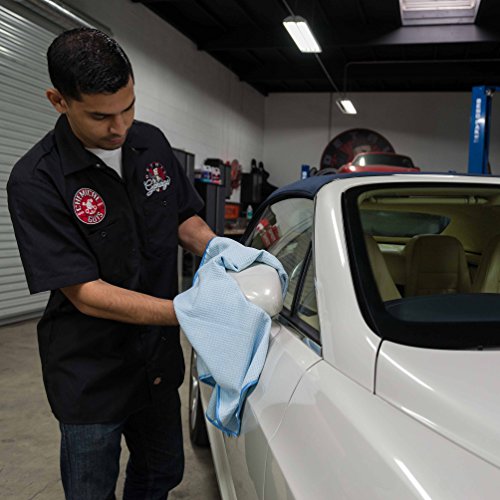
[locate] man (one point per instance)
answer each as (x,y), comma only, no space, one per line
(99,206)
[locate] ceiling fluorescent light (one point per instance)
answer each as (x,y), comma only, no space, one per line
(346,106)
(301,34)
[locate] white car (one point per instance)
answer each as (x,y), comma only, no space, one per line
(382,379)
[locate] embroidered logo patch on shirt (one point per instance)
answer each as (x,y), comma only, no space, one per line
(89,207)
(156,178)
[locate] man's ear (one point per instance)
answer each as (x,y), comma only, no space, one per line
(57,100)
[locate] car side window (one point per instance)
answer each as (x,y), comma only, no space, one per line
(284,230)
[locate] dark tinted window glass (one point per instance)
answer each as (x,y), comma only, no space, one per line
(403,224)
(307,309)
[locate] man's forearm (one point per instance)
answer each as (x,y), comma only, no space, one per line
(194,235)
(102,300)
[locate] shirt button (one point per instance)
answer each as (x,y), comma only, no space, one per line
(164,339)
(104,234)
(157,381)
(164,203)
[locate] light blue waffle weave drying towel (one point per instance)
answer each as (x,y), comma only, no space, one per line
(229,334)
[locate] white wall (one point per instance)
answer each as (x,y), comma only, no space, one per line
(200,105)
(432,128)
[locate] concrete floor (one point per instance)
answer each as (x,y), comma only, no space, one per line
(29,434)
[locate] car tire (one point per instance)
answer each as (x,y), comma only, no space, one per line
(197,424)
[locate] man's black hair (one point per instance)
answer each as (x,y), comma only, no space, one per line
(87,61)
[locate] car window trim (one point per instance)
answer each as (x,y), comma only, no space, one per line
(290,315)
(452,335)
(302,330)
(302,277)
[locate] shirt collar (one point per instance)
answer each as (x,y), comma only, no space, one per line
(75,157)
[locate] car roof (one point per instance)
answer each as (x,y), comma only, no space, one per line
(308,188)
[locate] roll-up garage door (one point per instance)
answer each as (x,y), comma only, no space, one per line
(25,117)
(27,28)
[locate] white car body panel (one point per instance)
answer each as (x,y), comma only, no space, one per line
(406,423)
(354,355)
(348,443)
(244,457)
(221,464)
(455,393)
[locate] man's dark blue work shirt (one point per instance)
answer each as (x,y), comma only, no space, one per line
(75,221)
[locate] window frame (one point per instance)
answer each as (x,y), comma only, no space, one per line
(293,316)
(290,316)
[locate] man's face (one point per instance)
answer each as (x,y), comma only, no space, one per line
(98,120)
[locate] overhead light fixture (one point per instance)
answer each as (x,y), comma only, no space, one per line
(430,12)
(301,34)
(346,106)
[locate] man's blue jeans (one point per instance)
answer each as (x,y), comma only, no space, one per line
(90,454)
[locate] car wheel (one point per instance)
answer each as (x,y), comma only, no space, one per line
(197,424)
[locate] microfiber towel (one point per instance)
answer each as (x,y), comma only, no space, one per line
(229,334)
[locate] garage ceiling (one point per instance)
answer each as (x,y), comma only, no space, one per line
(364,45)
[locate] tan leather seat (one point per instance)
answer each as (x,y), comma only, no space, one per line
(385,284)
(436,264)
(487,279)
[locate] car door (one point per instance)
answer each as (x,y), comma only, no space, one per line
(284,229)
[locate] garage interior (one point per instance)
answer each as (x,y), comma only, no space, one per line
(224,80)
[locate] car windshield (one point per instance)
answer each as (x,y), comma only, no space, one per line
(426,260)
(383,159)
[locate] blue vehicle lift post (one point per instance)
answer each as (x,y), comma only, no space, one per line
(480,124)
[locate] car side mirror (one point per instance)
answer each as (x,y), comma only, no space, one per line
(261,285)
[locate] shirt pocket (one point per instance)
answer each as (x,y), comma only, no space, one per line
(113,247)
(161,222)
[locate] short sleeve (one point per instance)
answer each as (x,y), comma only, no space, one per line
(53,251)
(189,202)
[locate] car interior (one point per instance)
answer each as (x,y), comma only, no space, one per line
(431,241)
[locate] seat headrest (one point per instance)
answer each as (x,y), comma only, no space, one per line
(436,264)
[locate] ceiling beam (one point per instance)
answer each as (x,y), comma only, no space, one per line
(365,71)
(211,14)
(244,39)
(247,14)
(289,72)
(381,35)
(146,2)
(418,73)
(453,33)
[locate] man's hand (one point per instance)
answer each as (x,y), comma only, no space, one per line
(102,300)
(194,235)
